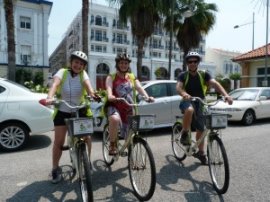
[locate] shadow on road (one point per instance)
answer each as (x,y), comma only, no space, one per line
(67,190)
(104,176)
(174,173)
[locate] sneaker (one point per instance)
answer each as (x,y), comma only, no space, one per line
(184,138)
(56,175)
(202,157)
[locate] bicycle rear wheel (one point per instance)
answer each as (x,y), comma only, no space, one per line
(218,164)
(105,146)
(85,178)
(177,147)
(142,169)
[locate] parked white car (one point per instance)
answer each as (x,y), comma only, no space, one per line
(248,105)
(165,107)
(21,114)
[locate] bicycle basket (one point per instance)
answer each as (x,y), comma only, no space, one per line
(80,126)
(216,121)
(141,122)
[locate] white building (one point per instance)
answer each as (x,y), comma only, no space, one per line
(222,59)
(31,35)
(107,37)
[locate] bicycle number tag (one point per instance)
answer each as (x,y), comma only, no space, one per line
(83,126)
(147,122)
(216,121)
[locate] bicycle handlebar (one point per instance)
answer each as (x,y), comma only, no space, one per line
(76,107)
(205,103)
(130,104)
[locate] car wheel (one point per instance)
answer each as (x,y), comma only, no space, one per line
(13,136)
(248,117)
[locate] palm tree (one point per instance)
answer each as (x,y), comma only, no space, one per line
(8,5)
(85,12)
(143,16)
(189,31)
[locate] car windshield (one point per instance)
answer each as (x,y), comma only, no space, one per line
(244,94)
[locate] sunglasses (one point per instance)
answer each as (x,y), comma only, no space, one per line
(192,61)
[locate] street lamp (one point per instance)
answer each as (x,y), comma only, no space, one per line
(265,82)
(253,22)
(188,13)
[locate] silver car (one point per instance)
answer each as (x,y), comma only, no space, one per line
(165,107)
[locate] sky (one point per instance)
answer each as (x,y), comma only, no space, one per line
(222,36)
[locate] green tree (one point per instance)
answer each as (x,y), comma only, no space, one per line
(189,31)
(8,6)
(143,16)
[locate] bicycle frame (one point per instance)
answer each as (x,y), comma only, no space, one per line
(189,151)
(141,164)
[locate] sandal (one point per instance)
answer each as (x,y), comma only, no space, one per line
(112,149)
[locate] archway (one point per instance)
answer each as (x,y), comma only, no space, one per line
(145,73)
(177,73)
(102,71)
(161,73)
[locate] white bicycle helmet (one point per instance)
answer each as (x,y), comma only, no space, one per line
(122,56)
(193,54)
(79,54)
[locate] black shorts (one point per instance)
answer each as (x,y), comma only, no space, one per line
(59,119)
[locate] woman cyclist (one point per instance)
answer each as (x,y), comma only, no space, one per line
(121,84)
(71,85)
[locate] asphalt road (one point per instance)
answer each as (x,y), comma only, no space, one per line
(24,174)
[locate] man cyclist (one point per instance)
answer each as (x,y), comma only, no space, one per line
(194,83)
(121,84)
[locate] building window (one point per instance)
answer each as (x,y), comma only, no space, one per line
(98,20)
(98,35)
(25,22)
(25,55)
(99,49)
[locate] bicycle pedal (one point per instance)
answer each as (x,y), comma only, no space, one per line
(66,147)
(123,154)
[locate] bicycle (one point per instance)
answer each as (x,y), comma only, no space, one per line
(217,157)
(141,164)
(78,129)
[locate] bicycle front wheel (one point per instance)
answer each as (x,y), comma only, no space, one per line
(218,164)
(142,169)
(177,147)
(85,178)
(105,146)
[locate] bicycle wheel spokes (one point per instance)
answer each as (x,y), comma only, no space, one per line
(218,165)
(85,178)
(105,147)
(177,147)
(142,170)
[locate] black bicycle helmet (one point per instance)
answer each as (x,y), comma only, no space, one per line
(192,55)
(79,54)
(122,56)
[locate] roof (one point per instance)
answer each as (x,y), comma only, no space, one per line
(254,54)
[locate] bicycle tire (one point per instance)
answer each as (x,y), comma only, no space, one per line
(177,147)
(105,147)
(85,178)
(218,164)
(142,169)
